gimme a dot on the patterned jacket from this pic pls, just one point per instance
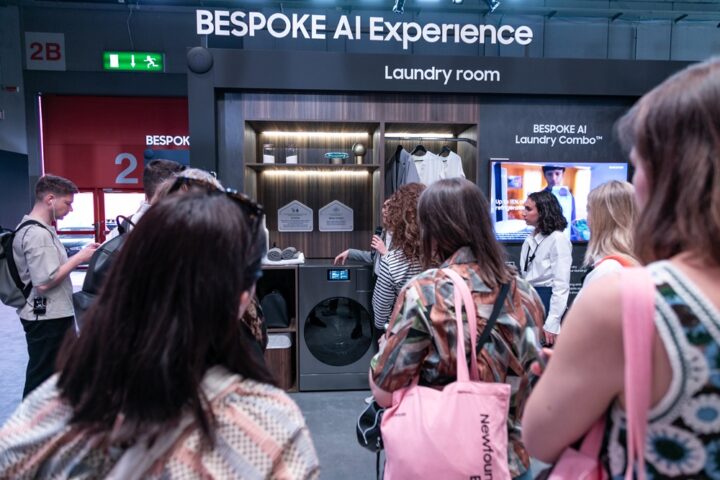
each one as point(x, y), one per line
point(422, 337)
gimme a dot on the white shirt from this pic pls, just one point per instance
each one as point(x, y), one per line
point(429, 167)
point(452, 166)
point(550, 267)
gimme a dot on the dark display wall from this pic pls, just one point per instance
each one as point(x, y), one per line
point(561, 131)
point(16, 195)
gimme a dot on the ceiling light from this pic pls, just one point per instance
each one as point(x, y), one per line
point(492, 5)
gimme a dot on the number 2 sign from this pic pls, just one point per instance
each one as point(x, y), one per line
point(44, 51)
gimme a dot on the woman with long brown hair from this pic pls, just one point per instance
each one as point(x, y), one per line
point(674, 137)
point(165, 380)
point(455, 227)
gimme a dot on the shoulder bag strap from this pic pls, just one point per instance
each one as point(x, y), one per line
point(464, 296)
point(14, 273)
point(638, 309)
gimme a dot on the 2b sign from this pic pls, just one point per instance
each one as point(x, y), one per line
point(44, 51)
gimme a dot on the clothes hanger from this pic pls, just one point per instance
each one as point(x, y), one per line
point(445, 151)
point(419, 150)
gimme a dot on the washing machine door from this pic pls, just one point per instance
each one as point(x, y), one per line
point(338, 331)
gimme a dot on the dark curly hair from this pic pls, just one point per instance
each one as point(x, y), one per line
point(550, 214)
point(402, 219)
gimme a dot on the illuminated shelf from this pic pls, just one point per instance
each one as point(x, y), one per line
point(310, 166)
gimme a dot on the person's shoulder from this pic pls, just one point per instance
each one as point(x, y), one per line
point(32, 232)
point(258, 400)
point(600, 302)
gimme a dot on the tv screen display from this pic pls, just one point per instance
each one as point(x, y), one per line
point(512, 181)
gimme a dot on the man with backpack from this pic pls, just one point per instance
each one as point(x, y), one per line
point(42, 261)
point(154, 174)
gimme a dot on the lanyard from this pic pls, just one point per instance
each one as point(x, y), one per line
point(531, 256)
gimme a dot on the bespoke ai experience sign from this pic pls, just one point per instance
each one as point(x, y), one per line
point(237, 23)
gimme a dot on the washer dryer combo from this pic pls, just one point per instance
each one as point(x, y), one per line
point(336, 331)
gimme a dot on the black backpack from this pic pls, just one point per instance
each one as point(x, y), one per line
point(274, 308)
point(98, 268)
point(13, 292)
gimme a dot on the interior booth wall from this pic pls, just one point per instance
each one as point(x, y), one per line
point(235, 103)
point(226, 104)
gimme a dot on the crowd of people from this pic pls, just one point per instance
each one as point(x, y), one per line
point(178, 387)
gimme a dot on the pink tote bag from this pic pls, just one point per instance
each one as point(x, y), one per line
point(459, 432)
point(638, 310)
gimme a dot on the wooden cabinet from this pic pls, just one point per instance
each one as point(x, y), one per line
point(282, 363)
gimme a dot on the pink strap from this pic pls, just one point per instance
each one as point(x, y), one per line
point(638, 307)
point(592, 443)
point(463, 297)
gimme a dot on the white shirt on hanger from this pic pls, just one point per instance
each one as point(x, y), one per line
point(429, 167)
point(549, 267)
point(452, 166)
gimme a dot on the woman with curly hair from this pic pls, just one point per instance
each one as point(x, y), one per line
point(546, 257)
point(402, 261)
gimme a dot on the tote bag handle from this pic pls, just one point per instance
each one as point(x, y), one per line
point(638, 310)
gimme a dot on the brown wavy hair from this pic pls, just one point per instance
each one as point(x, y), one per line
point(402, 219)
point(675, 130)
point(454, 213)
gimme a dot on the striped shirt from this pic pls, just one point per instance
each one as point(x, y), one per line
point(259, 433)
point(394, 272)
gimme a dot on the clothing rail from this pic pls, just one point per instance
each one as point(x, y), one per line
point(440, 139)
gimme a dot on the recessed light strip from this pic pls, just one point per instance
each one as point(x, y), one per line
point(418, 135)
point(281, 172)
point(273, 133)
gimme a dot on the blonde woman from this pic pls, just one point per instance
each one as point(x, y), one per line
point(611, 217)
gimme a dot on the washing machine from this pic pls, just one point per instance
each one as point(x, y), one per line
point(336, 336)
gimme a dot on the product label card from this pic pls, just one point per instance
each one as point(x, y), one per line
point(335, 217)
point(295, 217)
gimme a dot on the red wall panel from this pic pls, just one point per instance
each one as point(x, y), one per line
point(93, 140)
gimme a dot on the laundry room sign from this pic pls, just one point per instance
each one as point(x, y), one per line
point(295, 217)
point(335, 217)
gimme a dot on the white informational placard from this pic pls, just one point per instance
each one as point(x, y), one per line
point(335, 217)
point(44, 51)
point(295, 217)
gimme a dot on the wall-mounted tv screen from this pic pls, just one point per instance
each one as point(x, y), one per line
point(512, 181)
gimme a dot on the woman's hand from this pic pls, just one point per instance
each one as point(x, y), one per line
point(550, 338)
point(342, 258)
point(539, 366)
point(378, 244)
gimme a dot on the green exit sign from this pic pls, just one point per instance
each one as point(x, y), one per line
point(134, 61)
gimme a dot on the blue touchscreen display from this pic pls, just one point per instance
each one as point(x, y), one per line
point(338, 274)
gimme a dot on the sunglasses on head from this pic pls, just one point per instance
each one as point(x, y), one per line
point(254, 210)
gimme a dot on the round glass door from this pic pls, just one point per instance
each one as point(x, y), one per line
point(338, 331)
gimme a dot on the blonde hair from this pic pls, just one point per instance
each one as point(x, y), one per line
point(613, 211)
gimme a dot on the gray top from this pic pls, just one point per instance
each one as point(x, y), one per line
point(39, 254)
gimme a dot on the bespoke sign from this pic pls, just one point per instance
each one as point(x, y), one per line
point(237, 23)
